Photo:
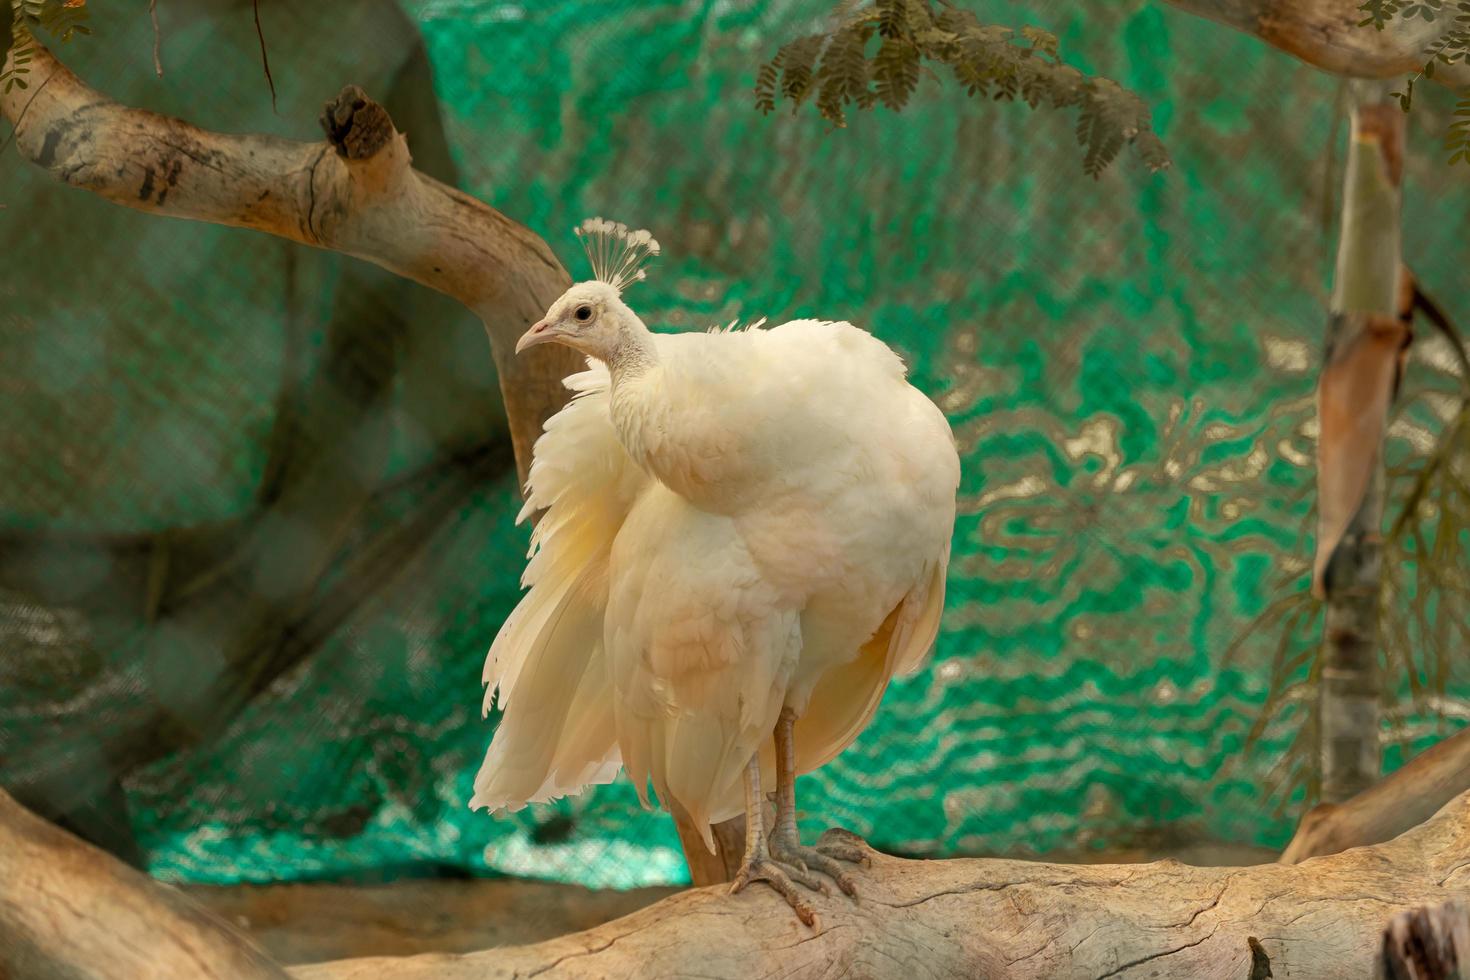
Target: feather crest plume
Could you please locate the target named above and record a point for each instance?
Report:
(617, 254)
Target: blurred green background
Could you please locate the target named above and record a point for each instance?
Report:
(227, 456)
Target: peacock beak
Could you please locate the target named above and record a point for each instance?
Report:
(539, 333)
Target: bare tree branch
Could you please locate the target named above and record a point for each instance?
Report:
(356, 194)
(1389, 807)
(68, 910)
(1325, 33)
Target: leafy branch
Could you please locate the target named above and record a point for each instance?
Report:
(876, 54)
(1451, 47)
(62, 19)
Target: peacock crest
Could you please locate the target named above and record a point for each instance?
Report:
(617, 254)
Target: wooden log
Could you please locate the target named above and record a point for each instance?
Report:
(68, 910)
(1367, 341)
(927, 920)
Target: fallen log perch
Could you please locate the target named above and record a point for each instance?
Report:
(69, 910)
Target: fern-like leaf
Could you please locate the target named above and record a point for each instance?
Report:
(896, 72)
(843, 75)
(798, 66)
(875, 53)
(1451, 46)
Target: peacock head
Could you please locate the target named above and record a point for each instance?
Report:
(591, 317)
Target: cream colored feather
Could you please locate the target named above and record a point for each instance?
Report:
(734, 522)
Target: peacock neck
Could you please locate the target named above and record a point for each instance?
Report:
(634, 354)
(635, 405)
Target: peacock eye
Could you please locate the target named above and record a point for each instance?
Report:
(583, 313)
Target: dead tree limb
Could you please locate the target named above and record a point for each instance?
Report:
(1004, 920)
(1393, 805)
(1013, 919)
(357, 194)
(1326, 34)
(72, 911)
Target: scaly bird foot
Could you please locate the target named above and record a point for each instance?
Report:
(783, 878)
(835, 846)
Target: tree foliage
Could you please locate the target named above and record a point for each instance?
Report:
(876, 53)
(62, 19)
(1452, 46)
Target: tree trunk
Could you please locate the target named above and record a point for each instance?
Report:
(1366, 342)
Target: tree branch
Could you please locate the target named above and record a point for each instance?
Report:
(70, 910)
(73, 911)
(1390, 806)
(356, 194)
(1325, 34)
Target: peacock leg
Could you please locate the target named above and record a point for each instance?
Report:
(759, 865)
(835, 846)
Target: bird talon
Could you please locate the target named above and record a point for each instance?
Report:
(780, 879)
(820, 859)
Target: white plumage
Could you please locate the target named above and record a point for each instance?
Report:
(734, 523)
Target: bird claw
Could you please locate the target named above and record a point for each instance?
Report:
(780, 879)
(824, 858)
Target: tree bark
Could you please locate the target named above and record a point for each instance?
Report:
(67, 910)
(1326, 34)
(707, 868)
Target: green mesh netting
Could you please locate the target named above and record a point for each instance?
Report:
(220, 449)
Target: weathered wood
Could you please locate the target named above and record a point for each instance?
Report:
(68, 910)
(1012, 919)
(1427, 944)
(1398, 802)
(356, 193)
(1326, 34)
